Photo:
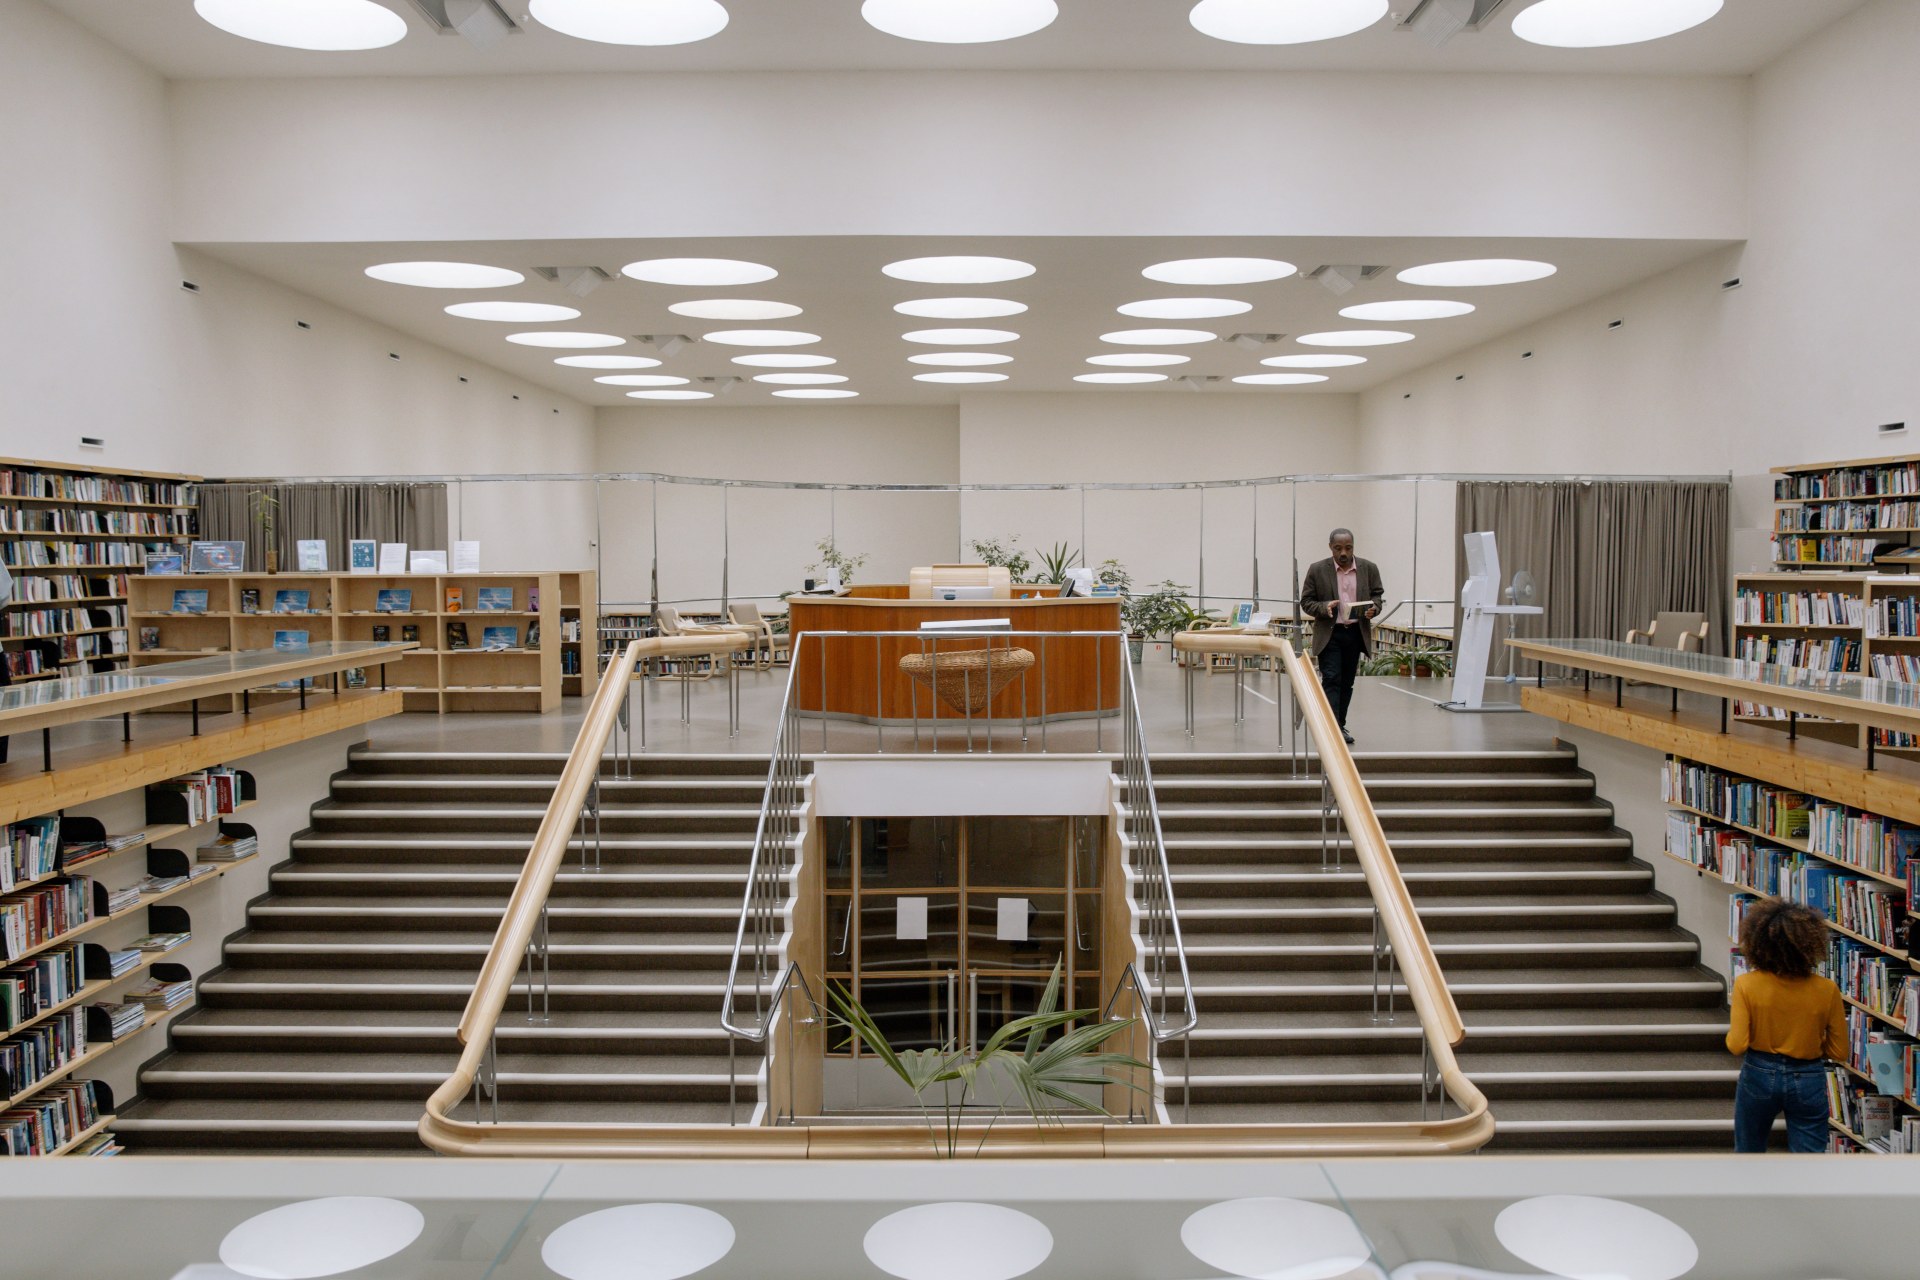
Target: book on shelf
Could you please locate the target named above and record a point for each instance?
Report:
(455, 598)
(125, 898)
(499, 638)
(53, 1117)
(121, 962)
(361, 555)
(150, 942)
(228, 848)
(311, 555)
(533, 634)
(99, 1146)
(161, 994)
(356, 677)
(189, 600)
(249, 599)
(457, 636)
(80, 853)
(32, 850)
(292, 600)
(289, 640)
(381, 633)
(149, 638)
(533, 599)
(208, 793)
(393, 600)
(121, 1020)
(165, 562)
(29, 1056)
(410, 631)
(492, 599)
(30, 987)
(42, 914)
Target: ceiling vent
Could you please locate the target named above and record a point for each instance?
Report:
(1197, 382)
(1340, 280)
(578, 281)
(1438, 21)
(481, 22)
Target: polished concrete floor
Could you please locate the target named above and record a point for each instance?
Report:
(1388, 715)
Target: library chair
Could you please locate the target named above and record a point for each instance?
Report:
(769, 647)
(1686, 632)
(668, 622)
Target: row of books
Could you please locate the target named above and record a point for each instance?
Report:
(228, 848)
(1830, 548)
(1872, 978)
(1836, 517)
(56, 586)
(120, 1020)
(1901, 667)
(1864, 840)
(1885, 1056)
(53, 1118)
(27, 662)
(43, 913)
(53, 622)
(32, 850)
(1868, 908)
(31, 987)
(485, 599)
(1824, 653)
(1894, 615)
(571, 631)
(1798, 608)
(110, 644)
(27, 1057)
(53, 484)
(1899, 479)
(55, 554)
(75, 854)
(1875, 911)
(1877, 1119)
(569, 662)
(56, 520)
(207, 794)
(1776, 811)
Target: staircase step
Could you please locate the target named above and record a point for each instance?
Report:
(1373, 763)
(414, 1076)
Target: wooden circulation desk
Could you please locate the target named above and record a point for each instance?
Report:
(858, 675)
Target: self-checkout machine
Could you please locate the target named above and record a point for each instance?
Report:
(1480, 608)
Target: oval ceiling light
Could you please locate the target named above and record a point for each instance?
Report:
(1119, 379)
(761, 338)
(1356, 338)
(638, 1242)
(961, 337)
(1281, 379)
(1411, 309)
(643, 380)
(1185, 308)
(445, 275)
(1313, 362)
(817, 393)
(1591, 24)
(1474, 273)
(1139, 359)
(717, 272)
(961, 269)
(801, 379)
(784, 360)
(961, 359)
(322, 26)
(960, 308)
(321, 1237)
(579, 341)
(735, 309)
(648, 22)
(1270, 1236)
(1590, 1238)
(960, 375)
(1216, 271)
(959, 21)
(958, 1238)
(670, 395)
(1284, 21)
(608, 362)
(1158, 337)
(512, 312)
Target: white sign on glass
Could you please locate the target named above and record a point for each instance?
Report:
(393, 557)
(910, 919)
(428, 561)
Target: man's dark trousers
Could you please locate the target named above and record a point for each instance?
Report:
(1339, 664)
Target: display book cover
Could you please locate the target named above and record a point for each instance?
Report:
(249, 599)
(292, 601)
(457, 636)
(498, 638)
(493, 600)
(288, 641)
(393, 600)
(456, 599)
(190, 601)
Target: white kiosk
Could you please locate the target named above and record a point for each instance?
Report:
(1479, 605)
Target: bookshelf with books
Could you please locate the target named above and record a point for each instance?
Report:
(1860, 869)
(87, 947)
(579, 634)
(73, 537)
(488, 641)
(1846, 515)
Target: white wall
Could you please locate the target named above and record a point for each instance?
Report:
(98, 337)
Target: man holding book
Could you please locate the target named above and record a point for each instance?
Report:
(1342, 594)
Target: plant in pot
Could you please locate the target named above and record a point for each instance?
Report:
(1007, 555)
(1159, 612)
(266, 509)
(1046, 1077)
(1408, 662)
(1055, 563)
(831, 557)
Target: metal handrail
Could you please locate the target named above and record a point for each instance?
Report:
(815, 1017)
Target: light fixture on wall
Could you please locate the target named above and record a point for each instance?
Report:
(578, 281)
(665, 343)
(1255, 341)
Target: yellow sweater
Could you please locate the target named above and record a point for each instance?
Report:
(1799, 1017)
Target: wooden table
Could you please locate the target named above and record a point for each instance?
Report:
(857, 675)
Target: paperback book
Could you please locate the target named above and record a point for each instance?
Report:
(393, 600)
(249, 600)
(498, 638)
(189, 601)
(291, 601)
(494, 600)
(457, 636)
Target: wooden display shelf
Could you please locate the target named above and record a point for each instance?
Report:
(6, 498)
(92, 1053)
(63, 535)
(180, 615)
(77, 1138)
(94, 988)
(149, 835)
(59, 600)
(81, 570)
(1785, 842)
(1869, 1010)
(61, 635)
(114, 656)
(145, 900)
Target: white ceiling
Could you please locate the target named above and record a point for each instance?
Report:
(1072, 300)
(829, 35)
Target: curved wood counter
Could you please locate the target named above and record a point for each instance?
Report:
(1082, 675)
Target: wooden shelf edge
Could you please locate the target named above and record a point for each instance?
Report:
(93, 1053)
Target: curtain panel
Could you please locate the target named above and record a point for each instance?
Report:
(1607, 555)
(415, 514)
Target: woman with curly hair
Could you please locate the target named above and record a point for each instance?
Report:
(1788, 1021)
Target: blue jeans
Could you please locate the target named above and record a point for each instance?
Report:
(1771, 1083)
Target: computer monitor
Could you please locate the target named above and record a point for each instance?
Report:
(963, 593)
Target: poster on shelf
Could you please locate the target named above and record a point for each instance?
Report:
(161, 562)
(217, 557)
(362, 555)
(428, 561)
(311, 554)
(393, 557)
(466, 557)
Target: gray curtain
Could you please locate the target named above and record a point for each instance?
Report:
(1607, 555)
(415, 514)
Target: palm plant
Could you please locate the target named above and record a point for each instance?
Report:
(1042, 1074)
(1055, 563)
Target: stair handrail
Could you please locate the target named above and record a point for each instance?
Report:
(526, 905)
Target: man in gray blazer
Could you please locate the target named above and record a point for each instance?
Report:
(1342, 594)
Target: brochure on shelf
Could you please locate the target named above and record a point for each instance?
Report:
(217, 557)
(427, 562)
(497, 638)
(492, 599)
(362, 555)
(189, 601)
(289, 640)
(311, 555)
(393, 557)
(292, 601)
(466, 557)
(393, 600)
(161, 562)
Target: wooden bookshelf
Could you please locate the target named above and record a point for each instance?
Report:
(1843, 515)
(1897, 962)
(580, 619)
(240, 614)
(94, 527)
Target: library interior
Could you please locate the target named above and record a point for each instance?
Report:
(585, 691)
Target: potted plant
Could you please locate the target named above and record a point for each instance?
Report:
(1045, 1078)
(1008, 555)
(1157, 613)
(265, 507)
(1417, 662)
(831, 557)
(1055, 563)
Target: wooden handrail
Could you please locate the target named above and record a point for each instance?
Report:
(550, 843)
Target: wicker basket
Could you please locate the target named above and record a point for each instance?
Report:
(967, 679)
